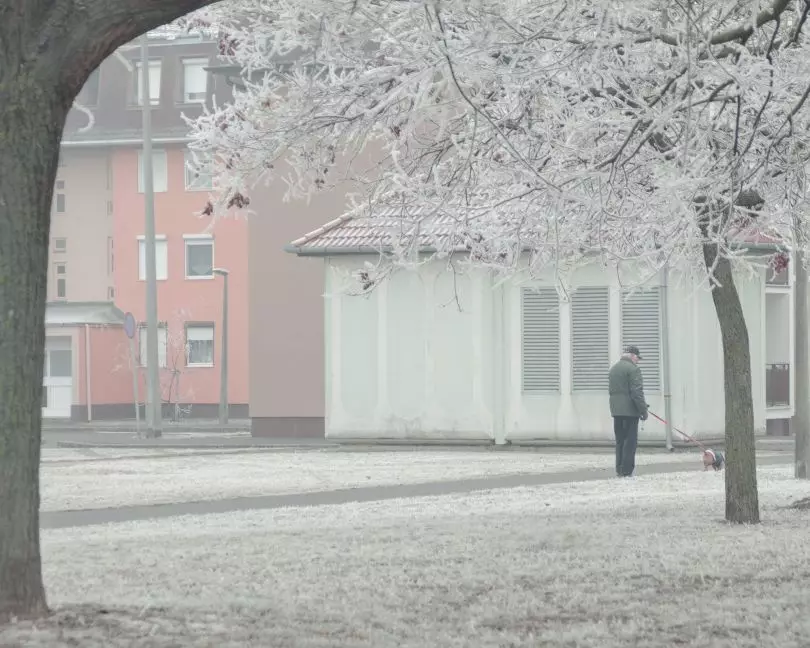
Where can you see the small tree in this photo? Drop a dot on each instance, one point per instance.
(48, 48)
(172, 386)
(540, 134)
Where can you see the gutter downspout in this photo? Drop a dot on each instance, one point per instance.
(499, 351)
(665, 355)
(87, 380)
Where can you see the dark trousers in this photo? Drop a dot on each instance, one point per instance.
(625, 428)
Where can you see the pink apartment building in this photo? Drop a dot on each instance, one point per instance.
(189, 293)
(96, 253)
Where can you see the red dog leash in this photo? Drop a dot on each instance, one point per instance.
(681, 432)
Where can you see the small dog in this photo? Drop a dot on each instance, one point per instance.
(713, 459)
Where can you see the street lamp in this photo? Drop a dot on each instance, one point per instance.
(153, 411)
(223, 363)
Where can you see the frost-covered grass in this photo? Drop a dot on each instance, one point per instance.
(165, 479)
(641, 562)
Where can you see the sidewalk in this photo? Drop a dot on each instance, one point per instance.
(208, 434)
(187, 425)
(88, 517)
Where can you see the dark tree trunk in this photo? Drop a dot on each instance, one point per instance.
(31, 120)
(48, 48)
(742, 501)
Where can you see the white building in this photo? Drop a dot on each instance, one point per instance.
(441, 356)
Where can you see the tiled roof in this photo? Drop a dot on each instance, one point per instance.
(134, 135)
(75, 313)
(350, 234)
(373, 234)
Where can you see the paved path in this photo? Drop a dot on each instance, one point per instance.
(64, 519)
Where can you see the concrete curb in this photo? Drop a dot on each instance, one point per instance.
(130, 425)
(199, 444)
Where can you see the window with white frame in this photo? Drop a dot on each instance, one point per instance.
(59, 198)
(160, 171)
(590, 338)
(540, 316)
(154, 83)
(60, 274)
(198, 175)
(641, 326)
(199, 256)
(161, 258)
(163, 345)
(60, 245)
(200, 345)
(195, 80)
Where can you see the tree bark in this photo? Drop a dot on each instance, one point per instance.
(742, 500)
(48, 48)
(31, 122)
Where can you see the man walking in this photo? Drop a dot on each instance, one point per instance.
(627, 406)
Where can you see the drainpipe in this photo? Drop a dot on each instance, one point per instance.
(87, 380)
(665, 355)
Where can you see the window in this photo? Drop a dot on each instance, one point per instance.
(541, 340)
(195, 80)
(59, 197)
(111, 293)
(60, 363)
(109, 173)
(60, 271)
(161, 258)
(641, 325)
(590, 338)
(163, 345)
(154, 83)
(160, 171)
(200, 345)
(199, 257)
(110, 255)
(60, 245)
(197, 179)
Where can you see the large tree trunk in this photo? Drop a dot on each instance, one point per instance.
(48, 48)
(742, 501)
(31, 120)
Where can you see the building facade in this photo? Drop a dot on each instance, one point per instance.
(97, 251)
(433, 355)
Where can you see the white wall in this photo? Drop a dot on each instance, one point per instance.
(777, 337)
(411, 360)
(701, 406)
(408, 362)
(568, 415)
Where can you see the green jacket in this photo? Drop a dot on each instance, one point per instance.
(627, 390)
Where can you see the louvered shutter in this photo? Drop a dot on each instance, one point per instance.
(641, 326)
(590, 339)
(541, 340)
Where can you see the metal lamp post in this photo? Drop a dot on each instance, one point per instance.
(223, 363)
(153, 413)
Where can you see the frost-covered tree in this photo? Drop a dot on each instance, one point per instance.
(539, 133)
(48, 48)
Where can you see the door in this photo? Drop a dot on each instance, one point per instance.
(57, 391)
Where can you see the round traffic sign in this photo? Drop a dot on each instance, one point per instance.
(129, 325)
